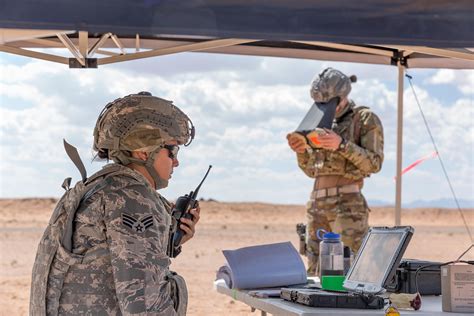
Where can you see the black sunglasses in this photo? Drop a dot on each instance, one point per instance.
(172, 151)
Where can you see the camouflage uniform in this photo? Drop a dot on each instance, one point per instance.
(122, 233)
(104, 251)
(328, 208)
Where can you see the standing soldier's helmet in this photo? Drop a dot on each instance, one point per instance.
(329, 84)
(140, 122)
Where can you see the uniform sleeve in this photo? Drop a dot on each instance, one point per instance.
(137, 235)
(367, 157)
(167, 204)
(306, 163)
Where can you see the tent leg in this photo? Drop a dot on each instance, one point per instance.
(398, 192)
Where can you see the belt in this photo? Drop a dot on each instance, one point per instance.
(332, 181)
(350, 188)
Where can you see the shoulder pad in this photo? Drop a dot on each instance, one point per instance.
(362, 111)
(361, 108)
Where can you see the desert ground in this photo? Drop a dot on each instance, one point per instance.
(439, 235)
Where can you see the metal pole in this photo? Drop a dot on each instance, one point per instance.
(398, 192)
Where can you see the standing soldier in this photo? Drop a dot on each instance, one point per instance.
(348, 153)
(104, 251)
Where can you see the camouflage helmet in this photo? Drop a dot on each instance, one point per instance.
(330, 83)
(141, 122)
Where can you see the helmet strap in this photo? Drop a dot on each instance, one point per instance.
(121, 158)
(160, 183)
(344, 110)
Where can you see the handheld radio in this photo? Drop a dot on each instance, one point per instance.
(181, 210)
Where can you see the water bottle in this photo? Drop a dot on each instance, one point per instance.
(331, 255)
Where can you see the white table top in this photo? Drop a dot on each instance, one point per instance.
(431, 305)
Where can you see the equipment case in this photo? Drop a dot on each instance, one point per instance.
(322, 298)
(429, 279)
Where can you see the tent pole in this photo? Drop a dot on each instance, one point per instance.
(398, 192)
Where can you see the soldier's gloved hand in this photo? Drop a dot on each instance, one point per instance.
(189, 225)
(296, 142)
(330, 140)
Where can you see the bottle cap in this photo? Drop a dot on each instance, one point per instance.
(331, 236)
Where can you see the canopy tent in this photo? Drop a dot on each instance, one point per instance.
(436, 23)
(403, 33)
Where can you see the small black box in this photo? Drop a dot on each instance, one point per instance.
(323, 298)
(429, 278)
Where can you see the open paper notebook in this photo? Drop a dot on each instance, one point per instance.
(263, 266)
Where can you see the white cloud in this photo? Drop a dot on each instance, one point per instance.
(443, 76)
(242, 114)
(28, 72)
(463, 80)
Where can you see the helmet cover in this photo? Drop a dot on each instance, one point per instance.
(330, 83)
(141, 122)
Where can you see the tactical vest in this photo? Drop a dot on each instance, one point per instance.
(54, 256)
(348, 127)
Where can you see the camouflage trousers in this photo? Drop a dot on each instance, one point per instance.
(346, 214)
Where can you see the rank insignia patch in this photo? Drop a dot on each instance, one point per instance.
(137, 225)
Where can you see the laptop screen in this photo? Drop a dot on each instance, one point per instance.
(378, 258)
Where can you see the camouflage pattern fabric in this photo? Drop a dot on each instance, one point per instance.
(345, 213)
(56, 242)
(364, 151)
(118, 263)
(141, 122)
(330, 83)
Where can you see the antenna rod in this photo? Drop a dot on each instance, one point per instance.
(199, 186)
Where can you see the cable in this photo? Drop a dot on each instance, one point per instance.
(437, 265)
(439, 157)
(462, 255)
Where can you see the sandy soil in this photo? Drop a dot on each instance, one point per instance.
(439, 235)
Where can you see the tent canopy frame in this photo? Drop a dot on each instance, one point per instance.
(84, 47)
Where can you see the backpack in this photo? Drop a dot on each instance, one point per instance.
(56, 242)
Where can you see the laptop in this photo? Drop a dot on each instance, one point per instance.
(370, 274)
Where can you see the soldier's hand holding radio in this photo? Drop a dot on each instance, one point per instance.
(188, 225)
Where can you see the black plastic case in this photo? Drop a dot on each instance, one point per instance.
(429, 279)
(320, 298)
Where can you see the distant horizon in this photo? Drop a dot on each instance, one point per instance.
(464, 204)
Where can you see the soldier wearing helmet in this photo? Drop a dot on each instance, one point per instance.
(112, 257)
(347, 153)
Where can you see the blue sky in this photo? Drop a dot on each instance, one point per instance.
(242, 108)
